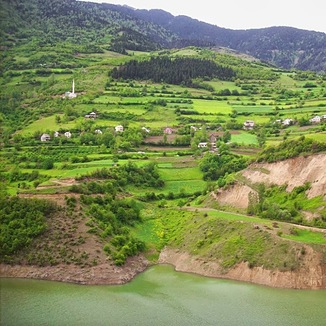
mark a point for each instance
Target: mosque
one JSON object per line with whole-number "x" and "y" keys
{"x": 72, "y": 94}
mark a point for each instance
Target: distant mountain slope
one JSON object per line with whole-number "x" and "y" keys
{"x": 121, "y": 28}
{"x": 285, "y": 47}
{"x": 78, "y": 22}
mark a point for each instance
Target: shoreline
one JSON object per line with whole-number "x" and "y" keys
{"x": 311, "y": 278}
{"x": 103, "y": 274}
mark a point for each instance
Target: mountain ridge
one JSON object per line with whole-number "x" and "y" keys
{"x": 254, "y": 41}
{"x": 126, "y": 28}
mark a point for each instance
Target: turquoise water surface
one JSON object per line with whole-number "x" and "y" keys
{"x": 159, "y": 296}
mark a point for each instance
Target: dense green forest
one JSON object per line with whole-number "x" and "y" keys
{"x": 177, "y": 71}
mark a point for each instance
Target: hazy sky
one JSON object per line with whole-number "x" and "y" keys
{"x": 242, "y": 14}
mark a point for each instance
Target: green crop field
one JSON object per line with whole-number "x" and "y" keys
{"x": 253, "y": 109}
{"x": 211, "y": 107}
{"x": 184, "y": 186}
{"x": 244, "y": 138}
{"x": 46, "y": 123}
{"x": 170, "y": 174}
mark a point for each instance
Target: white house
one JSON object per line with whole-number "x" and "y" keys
{"x": 248, "y": 124}
{"x": 91, "y": 115}
{"x": 119, "y": 128}
{"x": 56, "y": 134}
{"x": 98, "y": 131}
{"x": 202, "y": 145}
{"x": 67, "y": 134}
{"x": 287, "y": 122}
{"x": 315, "y": 119}
{"x": 45, "y": 137}
{"x": 71, "y": 94}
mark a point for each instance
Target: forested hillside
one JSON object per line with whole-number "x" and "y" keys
{"x": 97, "y": 27}
{"x": 177, "y": 71}
{"x": 284, "y": 47}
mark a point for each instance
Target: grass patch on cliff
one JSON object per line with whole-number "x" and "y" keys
{"x": 306, "y": 236}
{"x": 227, "y": 238}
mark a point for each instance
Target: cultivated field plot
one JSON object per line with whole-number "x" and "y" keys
{"x": 211, "y": 107}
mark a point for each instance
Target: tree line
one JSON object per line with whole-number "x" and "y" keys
{"x": 291, "y": 148}
{"x": 172, "y": 71}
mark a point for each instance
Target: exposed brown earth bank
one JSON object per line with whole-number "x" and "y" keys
{"x": 312, "y": 275}
{"x": 101, "y": 274}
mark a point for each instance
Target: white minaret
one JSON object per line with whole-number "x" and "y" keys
{"x": 71, "y": 94}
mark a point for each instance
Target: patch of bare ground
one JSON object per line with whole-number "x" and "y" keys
{"x": 237, "y": 194}
{"x": 160, "y": 139}
{"x": 158, "y": 148}
{"x": 65, "y": 182}
{"x": 59, "y": 199}
{"x": 311, "y": 274}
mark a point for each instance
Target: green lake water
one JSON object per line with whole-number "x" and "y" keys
{"x": 159, "y": 296}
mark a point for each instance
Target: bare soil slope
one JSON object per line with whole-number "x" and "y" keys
{"x": 292, "y": 172}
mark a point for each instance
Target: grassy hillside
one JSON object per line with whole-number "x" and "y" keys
{"x": 119, "y": 193}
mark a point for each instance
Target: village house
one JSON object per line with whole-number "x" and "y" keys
{"x": 202, "y": 145}
{"x": 91, "y": 115}
{"x": 315, "y": 119}
{"x": 56, "y": 134}
{"x": 98, "y": 131}
{"x": 287, "y": 122}
{"x": 67, "y": 134}
{"x": 213, "y": 138}
{"x": 248, "y": 124}
{"x": 45, "y": 137}
{"x": 119, "y": 128}
{"x": 168, "y": 131}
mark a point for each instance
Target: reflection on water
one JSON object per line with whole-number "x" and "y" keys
{"x": 159, "y": 296}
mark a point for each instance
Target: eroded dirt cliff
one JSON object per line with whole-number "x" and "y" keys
{"x": 312, "y": 274}
{"x": 292, "y": 172}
